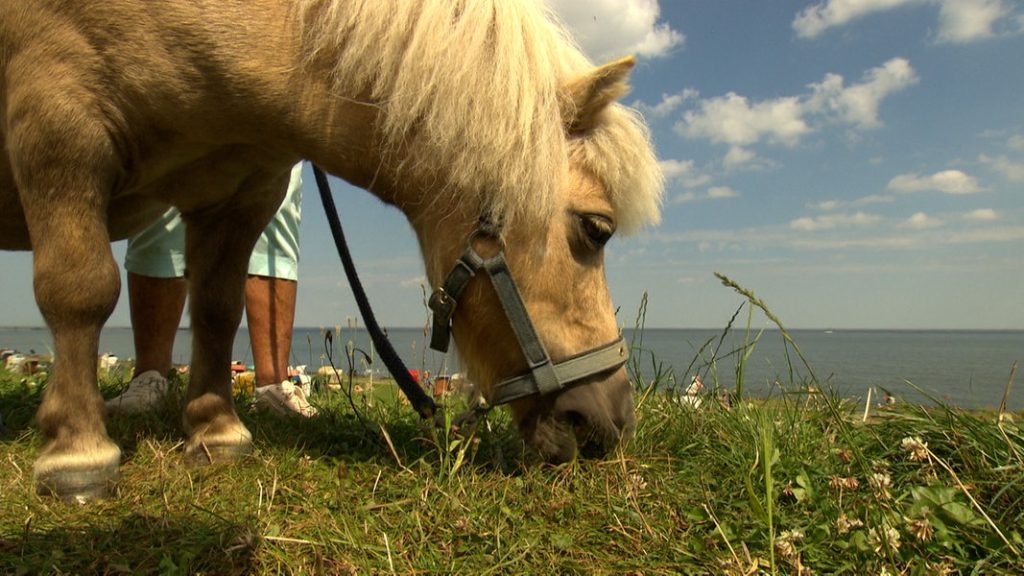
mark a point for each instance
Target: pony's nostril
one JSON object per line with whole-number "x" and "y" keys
{"x": 592, "y": 441}
{"x": 575, "y": 419}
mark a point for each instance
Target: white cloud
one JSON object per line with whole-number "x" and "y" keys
{"x": 734, "y": 120}
{"x": 948, "y": 181}
{"x": 669, "y": 103}
{"x": 831, "y": 221}
{"x": 718, "y": 192}
{"x": 814, "y": 20}
{"x": 910, "y": 240}
{"x": 827, "y": 205}
{"x": 738, "y": 156}
{"x": 1013, "y": 171}
{"x": 858, "y": 104}
{"x": 713, "y": 193}
{"x": 610, "y": 29}
{"x": 872, "y": 233}
{"x": 922, "y": 221}
{"x": 960, "y": 21}
{"x": 982, "y": 215}
{"x": 731, "y": 119}
{"x": 987, "y": 235}
{"x": 830, "y": 205}
{"x": 1016, "y": 142}
{"x": 676, "y": 168}
{"x": 684, "y": 172}
{"x": 874, "y": 199}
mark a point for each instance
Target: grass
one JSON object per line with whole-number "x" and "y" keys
{"x": 799, "y": 483}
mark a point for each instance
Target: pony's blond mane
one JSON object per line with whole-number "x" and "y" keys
{"x": 472, "y": 87}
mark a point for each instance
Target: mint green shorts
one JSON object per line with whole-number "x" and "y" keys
{"x": 159, "y": 251}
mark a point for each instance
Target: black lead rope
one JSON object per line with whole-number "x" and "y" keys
{"x": 422, "y": 403}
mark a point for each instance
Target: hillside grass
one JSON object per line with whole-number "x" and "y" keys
{"x": 802, "y": 482}
{"x": 795, "y": 484}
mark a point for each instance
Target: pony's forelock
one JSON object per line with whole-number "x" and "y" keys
{"x": 469, "y": 91}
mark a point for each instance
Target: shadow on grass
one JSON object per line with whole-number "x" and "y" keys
{"x": 385, "y": 432}
{"x": 138, "y": 544}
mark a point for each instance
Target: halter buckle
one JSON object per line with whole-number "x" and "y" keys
{"x": 442, "y": 305}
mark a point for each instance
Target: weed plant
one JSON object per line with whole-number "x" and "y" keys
{"x": 800, "y": 482}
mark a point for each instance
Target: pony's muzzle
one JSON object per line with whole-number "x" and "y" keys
{"x": 588, "y": 419}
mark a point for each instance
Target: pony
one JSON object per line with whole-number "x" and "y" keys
{"x": 450, "y": 110}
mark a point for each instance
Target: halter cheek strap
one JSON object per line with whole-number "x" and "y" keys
{"x": 602, "y": 359}
{"x": 544, "y": 376}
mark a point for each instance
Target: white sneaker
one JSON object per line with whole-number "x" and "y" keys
{"x": 145, "y": 392}
{"x": 284, "y": 398}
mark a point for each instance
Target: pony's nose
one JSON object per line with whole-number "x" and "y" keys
{"x": 600, "y": 413}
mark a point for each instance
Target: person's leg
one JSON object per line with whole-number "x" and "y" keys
{"x": 272, "y": 286}
{"x": 271, "y": 291}
{"x": 270, "y": 312}
{"x": 155, "y": 305}
{"x": 155, "y": 262}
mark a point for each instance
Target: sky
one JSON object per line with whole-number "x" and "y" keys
{"x": 855, "y": 163}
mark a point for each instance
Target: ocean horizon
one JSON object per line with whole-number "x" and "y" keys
{"x": 964, "y": 368}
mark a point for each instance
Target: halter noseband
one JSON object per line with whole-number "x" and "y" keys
{"x": 544, "y": 376}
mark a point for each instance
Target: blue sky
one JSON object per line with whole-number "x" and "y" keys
{"x": 856, "y": 163}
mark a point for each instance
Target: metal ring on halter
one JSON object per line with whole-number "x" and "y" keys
{"x": 492, "y": 235}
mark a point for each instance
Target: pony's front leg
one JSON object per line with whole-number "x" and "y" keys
{"x": 76, "y": 283}
{"x": 217, "y": 247}
{"x": 65, "y": 166}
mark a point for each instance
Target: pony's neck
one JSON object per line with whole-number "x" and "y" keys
{"x": 338, "y": 127}
{"x": 338, "y": 132}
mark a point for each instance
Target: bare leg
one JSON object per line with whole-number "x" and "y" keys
{"x": 270, "y": 311}
{"x": 156, "y": 305}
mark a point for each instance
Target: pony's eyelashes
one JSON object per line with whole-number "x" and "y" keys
{"x": 597, "y": 228}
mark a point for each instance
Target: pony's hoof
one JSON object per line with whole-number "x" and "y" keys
{"x": 78, "y": 479}
{"x": 208, "y": 448}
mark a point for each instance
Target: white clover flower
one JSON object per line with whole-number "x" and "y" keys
{"x": 880, "y": 483}
{"x": 785, "y": 550}
{"x": 844, "y": 524}
{"x": 841, "y": 483}
{"x": 792, "y": 536}
{"x": 884, "y": 538}
{"x": 637, "y": 482}
{"x": 920, "y": 528}
{"x": 916, "y": 447}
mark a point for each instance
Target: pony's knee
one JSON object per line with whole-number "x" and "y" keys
{"x": 77, "y": 288}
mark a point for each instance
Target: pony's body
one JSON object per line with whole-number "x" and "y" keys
{"x": 181, "y": 120}
{"x": 109, "y": 111}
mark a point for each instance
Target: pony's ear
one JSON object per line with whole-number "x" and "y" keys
{"x": 586, "y": 96}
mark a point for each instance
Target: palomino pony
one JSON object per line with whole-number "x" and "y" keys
{"x": 449, "y": 110}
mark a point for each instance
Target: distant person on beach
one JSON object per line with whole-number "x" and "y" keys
{"x": 692, "y": 395}
{"x": 157, "y": 289}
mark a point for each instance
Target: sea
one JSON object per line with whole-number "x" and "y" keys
{"x": 963, "y": 368}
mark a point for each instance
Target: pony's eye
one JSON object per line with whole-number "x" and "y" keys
{"x": 598, "y": 229}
